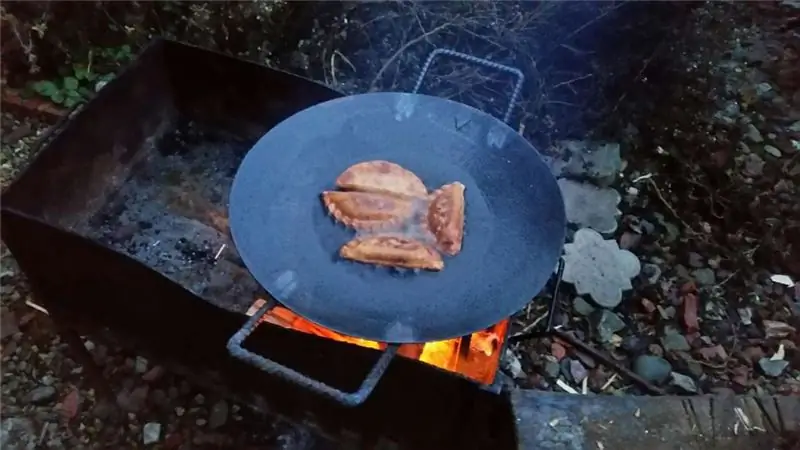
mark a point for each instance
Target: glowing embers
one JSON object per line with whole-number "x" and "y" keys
{"x": 476, "y": 357}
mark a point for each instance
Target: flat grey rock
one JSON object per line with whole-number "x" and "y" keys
{"x": 598, "y": 161}
{"x": 654, "y": 369}
{"x": 607, "y": 323}
{"x": 589, "y": 206}
{"x": 684, "y": 382}
{"x": 599, "y": 268}
{"x": 773, "y": 368}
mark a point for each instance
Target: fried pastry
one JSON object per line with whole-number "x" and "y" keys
{"x": 394, "y": 251}
{"x": 381, "y": 177}
{"x": 445, "y": 218}
{"x": 367, "y": 211}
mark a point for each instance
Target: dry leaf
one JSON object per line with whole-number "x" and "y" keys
{"x": 690, "y": 313}
{"x": 69, "y": 406}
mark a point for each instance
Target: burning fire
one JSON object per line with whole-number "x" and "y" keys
{"x": 476, "y": 357}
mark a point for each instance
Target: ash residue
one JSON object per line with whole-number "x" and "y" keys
{"x": 171, "y": 214}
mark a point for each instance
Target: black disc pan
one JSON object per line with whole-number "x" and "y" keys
{"x": 514, "y": 227}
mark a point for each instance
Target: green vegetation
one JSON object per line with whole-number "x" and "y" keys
{"x": 79, "y": 82}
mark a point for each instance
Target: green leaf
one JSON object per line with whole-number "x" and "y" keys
{"x": 73, "y": 94}
{"x": 70, "y": 83}
{"x": 85, "y": 92}
{"x": 81, "y": 71}
{"x": 46, "y": 88}
{"x": 70, "y": 102}
{"x": 123, "y": 53}
{"x": 57, "y": 97}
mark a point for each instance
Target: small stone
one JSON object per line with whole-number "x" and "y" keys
{"x": 180, "y": 411}
{"x": 695, "y": 369}
{"x": 753, "y": 135}
{"x": 775, "y": 329}
{"x": 704, "y": 277}
{"x": 684, "y": 382}
{"x": 582, "y": 307}
{"x": 558, "y": 351}
{"x": 629, "y": 240}
{"x": 696, "y": 260}
{"x": 773, "y": 151}
{"x": 772, "y": 368}
{"x": 133, "y": 401}
{"x": 652, "y": 368}
{"x": 633, "y": 344}
{"x": 651, "y": 273}
{"x": 763, "y": 88}
{"x": 745, "y": 316}
{"x": 48, "y": 380}
{"x": 753, "y": 165}
{"x": 666, "y": 313}
{"x": 655, "y": 349}
{"x": 151, "y": 433}
{"x": 607, "y": 323}
{"x": 140, "y": 365}
{"x": 219, "y": 414}
{"x": 199, "y": 399}
{"x": 41, "y": 395}
{"x": 716, "y": 352}
{"x": 577, "y": 371}
{"x": 153, "y": 374}
{"x": 511, "y": 365}
{"x": 673, "y": 232}
{"x": 552, "y": 369}
{"x": 201, "y": 422}
{"x": 675, "y": 342}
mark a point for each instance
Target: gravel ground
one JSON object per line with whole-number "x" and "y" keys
{"x": 711, "y": 165}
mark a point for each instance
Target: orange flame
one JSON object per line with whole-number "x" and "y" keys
{"x": 479, "y": 360}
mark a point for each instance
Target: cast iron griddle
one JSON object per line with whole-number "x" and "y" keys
{"x": 514, "y": 229}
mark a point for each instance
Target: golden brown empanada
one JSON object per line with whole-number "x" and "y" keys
{"x": 382, "y": 177}
{"x": 446, "y": 217}
{"x": 392, "y": 250}
{"x": 367, "y": 211}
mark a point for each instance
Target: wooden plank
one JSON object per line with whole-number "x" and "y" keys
{"x": 546, "y": 420}
{"x": 789, "y": 411}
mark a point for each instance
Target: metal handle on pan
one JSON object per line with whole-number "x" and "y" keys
{"x": 346, "y": 398}
{"x": 482, "y": 62}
